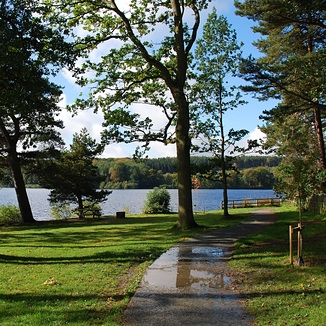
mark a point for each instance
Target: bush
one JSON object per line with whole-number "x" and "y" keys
{"x": 10, "y": 214}
{"x": 158, "y": 202}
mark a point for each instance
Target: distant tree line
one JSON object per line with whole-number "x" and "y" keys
{"x": 254, "y": 172}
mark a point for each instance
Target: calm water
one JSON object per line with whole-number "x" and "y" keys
{"x": 134, "y": 199}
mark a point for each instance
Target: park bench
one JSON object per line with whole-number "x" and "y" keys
{"x": 87, "y": 212}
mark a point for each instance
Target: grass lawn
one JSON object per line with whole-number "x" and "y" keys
{"x": 83, "y": 272}
{"x": 280, "y": 293}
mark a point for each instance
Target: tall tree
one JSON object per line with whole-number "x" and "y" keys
{"x": 28, "y": 99}
{"x": 149, "y": 67}
{"x": 217, "y": 59}
{"x": 73, "y": 178}
{"x": 294, "y": 63}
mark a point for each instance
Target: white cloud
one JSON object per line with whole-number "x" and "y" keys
{"x": 84, "y": 119}
{"x": 118, "y": 150}
{"x": 93, "y": 123}
{"x": 67, "y": 75}
{"x": 256, "y": 134}
{"x": 161, "y": 150}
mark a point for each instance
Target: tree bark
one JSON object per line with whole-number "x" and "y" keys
{"x": 319, "y": 129}
{"x": 224, "y": 177}
{"x": 19, "y": 184}
{"x": 185, "y": 215}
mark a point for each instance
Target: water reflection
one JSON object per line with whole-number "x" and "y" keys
{"x": 187, "y": 267}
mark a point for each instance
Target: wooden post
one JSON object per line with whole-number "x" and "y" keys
{"x": 291, "y": 244}
{"x": 222, "y": 204}
{"x": 299, "y": 235}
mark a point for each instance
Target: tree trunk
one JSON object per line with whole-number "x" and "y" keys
{"x": 319, "y": 129}
{"x": 80, "y": 207}
{"x": 225, "y": 191}
{"x": 224, "y": 178}
{"x": 183, "y": 142}
{"x": 19, "y": 184}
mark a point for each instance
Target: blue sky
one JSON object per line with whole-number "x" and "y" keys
{"x": 244, "y": 117}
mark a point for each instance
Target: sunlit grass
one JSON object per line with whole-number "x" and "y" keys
{"x": 280, "y": 293}
{"x": 84, "y": 272}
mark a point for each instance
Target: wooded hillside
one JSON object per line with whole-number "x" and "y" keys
{"x": 255, "y": 172}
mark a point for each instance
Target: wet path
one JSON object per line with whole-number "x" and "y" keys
{"x": 190, "y": 283}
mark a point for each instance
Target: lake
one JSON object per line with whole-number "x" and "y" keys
{"x": 133, "y": 199}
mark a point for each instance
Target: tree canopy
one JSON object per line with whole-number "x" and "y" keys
{"x": 137, "y": 69}
{"x": 29, "y": 52}
{"x": 292, "y": 67}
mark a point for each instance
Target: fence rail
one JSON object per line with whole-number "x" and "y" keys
{"x": 240, "y": 203}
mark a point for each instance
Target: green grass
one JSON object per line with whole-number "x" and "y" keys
{"x": 280, "y": 293}
{"x": 84, "y": 272}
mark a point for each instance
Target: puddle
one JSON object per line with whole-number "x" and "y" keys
{"x": 187, "y": 267}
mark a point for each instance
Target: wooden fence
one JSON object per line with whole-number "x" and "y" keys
{"x": 252, "y": 202}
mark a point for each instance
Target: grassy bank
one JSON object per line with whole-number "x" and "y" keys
{"x": 83, "y": 273}
{"x": 280, "y": 293}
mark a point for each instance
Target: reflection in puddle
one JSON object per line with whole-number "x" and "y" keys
{"x": 186, "y": 267}
{"x": 213, "y": 252}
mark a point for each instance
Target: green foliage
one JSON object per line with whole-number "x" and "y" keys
{"x": 217, "y": 57}
{"x": 293, "y": 45}
{"x": 294, "y": 138}
{"x": 62, "y": 211}
{"x": 30, "y": 52}
{"x": 140, "y": 71}
{"x": 258, "y": 178}
{"x": 158, "y": 202}
{"x": 161, "y": 172}
{"x": 73, "y": 177}
{"x": 10, "y": 214}
{"x": 292, "y": 69}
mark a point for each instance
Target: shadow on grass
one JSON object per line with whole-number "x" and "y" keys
{"x": 130, "y": 255}
{"x": 57, "y": 309}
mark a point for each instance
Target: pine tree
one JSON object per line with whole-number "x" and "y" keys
{"x": 293, "y": 64}
{"x": 73, "y": 178}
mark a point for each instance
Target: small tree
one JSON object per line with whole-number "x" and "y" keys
{"x": 294, "y": 139}
{"x": 73, "y": 177}
{"x": 158, "y": 202}
{"x": 217, "y": 57}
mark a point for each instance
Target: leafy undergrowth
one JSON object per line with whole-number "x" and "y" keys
{"x": 281, "y": 293}
{"x": 84, "y": 272}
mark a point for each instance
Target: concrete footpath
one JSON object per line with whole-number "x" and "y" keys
{"x": 190, "y": 284}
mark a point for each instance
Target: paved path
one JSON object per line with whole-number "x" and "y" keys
{"x": 190, "y": 283}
